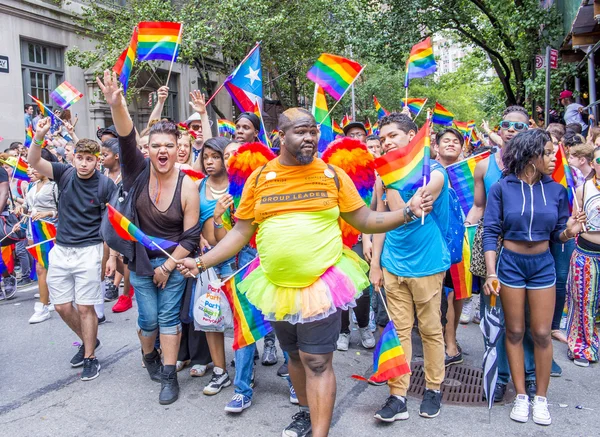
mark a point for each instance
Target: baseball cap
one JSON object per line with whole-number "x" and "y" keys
{"x": 354, "y": 124}
{"x": 106, "y": 130}
{"x": 566, "y": 94}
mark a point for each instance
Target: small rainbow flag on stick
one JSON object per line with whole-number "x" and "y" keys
{"x": 125, "y": 62}
{"x": 7, "y": 261}
{"x": 262, "y": 133}
{"x": 42, "y": 230}
{"x": 41, "y": 251}
{"x": 462, "y": 179}
{"x": 20, "y": 171}
{"x": 337, "y": 128}
{"x": 421, "y": 62}
{"x": 321, "y": 114}
{"x": 249, "y": 324}
{"x": 65, "y": 95}
{"x": 463, "y": 128}
{"x": 128, "y": 231}
{"x": 158, "y": 40}
{"x": 28, "y": 136}
{"x": 415, "y": 105}
{"x": 334, "y": 74}
{"x": 44, "y": 111}
{"x": 462, "y": 278}
{"x": 345, "y": 121}
{"x": 381, "y": 111}
{"x": 562, "y": 174}
{"x": 226, "y": 127}
{"x": 442, "y": 116}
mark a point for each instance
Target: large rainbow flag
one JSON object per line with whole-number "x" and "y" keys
{"x": 158, "y": 40}
{"x": 461, "y": 176}
{"x": 381, "y": 111}
{"x": 562, "y": 174}
{"x": 128, "y": 231}
{"x": 415, "y": 106}
{"x": 462, "y": 278}
{"x": 42, "y": 230}
{"x": 405, "y": 168}
{"x": 334, "y": 74}
{"x": 65, "y": 95}
{"x": 7, "y": 261}
{"x": 41, "y": 252}
{"x": 442, "y": 116}
{"x": 421, "y": 62}
{"x": 321, "y": 113}
{"x": 249, "y": 324}
{"x": 125, "y": 62}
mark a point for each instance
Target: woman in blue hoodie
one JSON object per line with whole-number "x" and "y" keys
{"x": 528, "y": 209}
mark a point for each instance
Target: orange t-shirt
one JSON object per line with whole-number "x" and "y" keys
{"x": 299, "y": 188}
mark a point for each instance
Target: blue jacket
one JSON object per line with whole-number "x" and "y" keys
{"x": 521, "y": 212}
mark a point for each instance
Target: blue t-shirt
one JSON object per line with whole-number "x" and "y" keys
{"x": 415, "y": 250}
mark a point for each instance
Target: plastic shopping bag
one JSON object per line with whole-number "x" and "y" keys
{"x": 212, "y": 312}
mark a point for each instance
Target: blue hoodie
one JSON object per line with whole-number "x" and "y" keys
{"x": 521, "y": 212}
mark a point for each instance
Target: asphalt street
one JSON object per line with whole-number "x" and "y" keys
{"x": 41, "y": 395}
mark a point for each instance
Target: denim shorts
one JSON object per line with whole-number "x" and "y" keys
{"x": 158, "y": 308}
{"x": 517, "y": 270}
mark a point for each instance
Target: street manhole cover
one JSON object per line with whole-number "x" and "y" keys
{"x": 462, "y": 385}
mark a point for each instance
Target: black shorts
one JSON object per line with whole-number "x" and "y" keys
{"x": 318, "y": 337}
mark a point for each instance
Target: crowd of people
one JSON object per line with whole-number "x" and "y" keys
{"x": 537, "y": 255}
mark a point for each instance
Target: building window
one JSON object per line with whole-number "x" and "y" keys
{"x": 171, "y": 108}
{"x": 43, "y": 70}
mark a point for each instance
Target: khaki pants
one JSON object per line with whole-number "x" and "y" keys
{"x": 425, "y": 295}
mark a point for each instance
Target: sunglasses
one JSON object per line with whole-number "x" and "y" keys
{"x": 597, "y": 160}
{"x": 195, "y": 127}
{"x": 519, "y": 126}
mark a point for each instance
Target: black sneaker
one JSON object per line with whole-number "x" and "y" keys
{"x": 283, "y": 370}
{"x": 10, "y": 287}
{"x": 377, "y": 383}
{"x": 217, "y": 383}
{"x": 499, "y": 392}
{"x": 269, "y": 356}
{"x": 91, "y": 369}
{"x": 169, "y": 388}
{"x": 300, "y": 426}
{"x": 25, "y": 280}
{"x": 153, "y": 365}
{"x": 77, "y": 359}
{"x": 101, "y": 320}
{"x": 112, "y": 292}
{"x": 393, "y": 409}
{"x": 456, "y": 359}
{"x": 531, "y": 389}
{"x": 432, "y": 402}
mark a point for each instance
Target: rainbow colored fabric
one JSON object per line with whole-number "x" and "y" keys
{"x": 421, "y": 62}
{"x": 334, "y": 74}
{"x": 462, "y": 278}
{"x": 320, "y": 112}
{"x": 262, "y": 133}
{"x": 415, "y": 106}
{"x": 375, "y": 128}
{"x": 65, "y": 95}
{"x": 158, "y": 41}
{"x": 20, "y": 170}
{"x": 225, "y": 127}
{"x": 41, "y": 251}
{"x": 28, "y": 136}
{"x": 389, "y": 360}
{"x": 368, "y": 127}
{"x": 442, "y": 116}
{"x": 194, "y": 174}
{"x": 44, "y": 111}
{"x": 345, "y": 121}
{"x": 125, "y": 62}
{"x": 563, "y": 175}
{"x": 463, "y": 128}
{"x": 462, "y": 179}
{"x": 7, "y": 261}
{"x": 337, "y": 129}
{"x": 405, "y": 168}
{"x": 128, "y": 231}
{"x": 42, "y": 230}
{"x": 381, "y": 111}
{"x": 249, "y": 325}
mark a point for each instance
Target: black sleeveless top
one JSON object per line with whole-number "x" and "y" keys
{"x": 167, "y": 224}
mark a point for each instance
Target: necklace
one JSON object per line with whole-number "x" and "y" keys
{"x": 596, "y": 183}
{"x": 217, "y": 193}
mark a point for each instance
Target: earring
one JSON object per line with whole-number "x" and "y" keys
{"x": 534, "y": 170}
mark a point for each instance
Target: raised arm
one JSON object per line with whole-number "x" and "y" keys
{"x": 197, "y": 102}
{"x": 113, "y": 95}
{"x": 162, "y": 93}
{"x": 34, "y": 156}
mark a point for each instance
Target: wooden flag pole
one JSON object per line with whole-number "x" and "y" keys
{"x": 47, "y": 109}
{"x": 421, "y": 110}
{"x": 169, "y": 255}
{"x": 174, "y": 54}
{"x": 342, "y": 96}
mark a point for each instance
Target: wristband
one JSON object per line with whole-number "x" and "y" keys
{"x": 38, "y": 143}
{"x": 411, "y": 214}
{"x": 217, "y": 225}
{"x": 200, "y": 264}
{"x": 492, "y": 276}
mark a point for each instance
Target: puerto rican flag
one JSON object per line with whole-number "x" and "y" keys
{"x": 245, "y": 84}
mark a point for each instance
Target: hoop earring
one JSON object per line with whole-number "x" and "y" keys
{"x": 534, "y": 170}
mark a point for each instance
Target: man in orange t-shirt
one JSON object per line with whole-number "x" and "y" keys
{"x": 295, "y": 203}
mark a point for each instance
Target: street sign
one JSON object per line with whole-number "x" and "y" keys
{"x": 553, "y": 59}
{"x": 3, "y": 64}
{"x": 539, "y": 62}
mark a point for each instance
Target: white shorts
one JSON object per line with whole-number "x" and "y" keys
{"x": 74, "y": 275}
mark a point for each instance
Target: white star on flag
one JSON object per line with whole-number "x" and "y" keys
{"x": 253, "y": 75}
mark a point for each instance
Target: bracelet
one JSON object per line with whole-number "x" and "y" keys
{"x": 217, "y": 225}
{"x": 467, "y": 223}
{"x": 492, "y": 276}
{"x": 200, "y": 264}
{"x": 411, "y": 214}
{"x": 165, "y": 269}
{"x": 39, "y": 143}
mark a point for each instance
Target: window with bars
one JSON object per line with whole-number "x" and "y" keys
{"x": 42, "y": 67}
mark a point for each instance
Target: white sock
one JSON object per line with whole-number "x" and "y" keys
{"x": 402, "y": 398}
{"x": 218, "y": 370}
{"x": 99, "y": 310}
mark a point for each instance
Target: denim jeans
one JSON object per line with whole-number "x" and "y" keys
{"x": 503, "y": 367}
{"x": 244, "y": 365}
{"x": 24, "y": 258}
{"x": 158, "y": 308}
{"x": 562, "y": 258}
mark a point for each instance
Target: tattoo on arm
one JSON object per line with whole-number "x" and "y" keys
{"x": 379, "y": 218}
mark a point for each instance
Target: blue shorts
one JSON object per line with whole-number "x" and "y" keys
{"x": 517, "y": 270}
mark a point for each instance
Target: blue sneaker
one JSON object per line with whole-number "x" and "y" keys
{"x": 293, "y": 397}
{"x": 238, "y": 403}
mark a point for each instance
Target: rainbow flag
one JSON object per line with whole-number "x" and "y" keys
{"x": 42, "y": 230}
{"x": 563, "y": 175}
{"x": 462, "y": 278}
{"x": 463, "y": 128}
{"x": 125, "y": 62}
{"x": 7, "y": 262}
{"x": 128, "y": 231}
{"x": 65, "y": 95}
{"x": 44, "y": 111}
{"x": 40, "y": 252}
{"x": 405, "y": 168}
{"x": 20, "y": 171}
{"x": 262, "y": 133}
{"x": 334, "y": 74}
{"x": 421, "y": 62}
{"x": 194, "y": 174}
{"x": 462, "y": 179}
{"x": 336, "y": 128}
{"x": 475, "y": 140}
{"x": 226, "y": 127}
{"x": 345, "y": 122}
{"x": 375, "y": 128}
{"x": 381, "y": 111}
{"x": 28, "y": 136}
{"x": 249, "y": 325}
{"x": 368, "y": 127}
{"x": 442, "y": 116}
{"x": 320, "y": 111}
{"x": 158, "y": 41}
{"x": 415, "y": 106}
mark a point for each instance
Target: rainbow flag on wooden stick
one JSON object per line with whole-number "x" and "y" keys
{"x": 462, "y": 278}
{"x": 421, "y": 62}
{"x": 442, "y": 116}
{"x": 249, "y": 324}
{"x": 20, "y": 170}
{"x": 226, "y": 127}
{"x": 562, "y": 174}
{"x": 381, "y": 111}
{"x": 28, "y": 136}
{"x": 42, "y": 230}
{"x": 334, "y": 74}
{"x": 321, "y": 114}
{"x": 125, "y": 62}
{"x": 41, "y": 252}
{"x": 65, "y": 95}
{"x": 462, "y": 179}
{"x": 158, "y": 40}
{"x": 44, "y": 110}
{"x": 336, "y": 128}
{"x": 415, "y": 106}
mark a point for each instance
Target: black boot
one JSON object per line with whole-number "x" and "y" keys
{"x": 169, "y": 386}
{"x": 153, "y": 365}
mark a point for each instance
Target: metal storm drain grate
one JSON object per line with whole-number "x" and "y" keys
{"x": 462, "y": 385}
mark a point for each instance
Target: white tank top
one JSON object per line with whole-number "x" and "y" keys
{"x": 591, "y": 206}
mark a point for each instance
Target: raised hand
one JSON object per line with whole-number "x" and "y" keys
{"x": 198, "y": 102}
{"x": 42, "y": 128}
{"x": 113, "y": 94}
{"x": 163, "y": 93}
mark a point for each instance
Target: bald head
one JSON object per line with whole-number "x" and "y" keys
{"x": 294, "y": 117}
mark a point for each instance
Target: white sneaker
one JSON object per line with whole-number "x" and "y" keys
{"x": 476, "y": 310}
{"x": 50, "y": 307}
{"x": 467, "y": 312}
{"x": 36, "y": 295}
{"x": 541, "y": 415}
{"x": 366, "y": 338}
{"x": 41, "y": 313}
{"x": 343, "y": 342}
{"x": 520, "y": 409}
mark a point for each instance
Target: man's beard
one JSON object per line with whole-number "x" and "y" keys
{"x": 304, "y": 160}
